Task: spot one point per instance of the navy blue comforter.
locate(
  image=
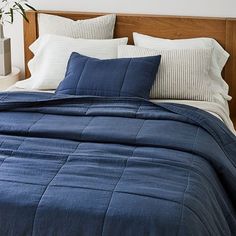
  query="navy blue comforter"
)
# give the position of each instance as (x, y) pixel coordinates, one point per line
(113, 167)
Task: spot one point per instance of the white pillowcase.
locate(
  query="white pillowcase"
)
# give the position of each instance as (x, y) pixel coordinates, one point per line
(96, 28)
(218, 60)
(183, 73)
(51, 55)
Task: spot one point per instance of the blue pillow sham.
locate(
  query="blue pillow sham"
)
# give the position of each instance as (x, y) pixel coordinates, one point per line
(124, 77)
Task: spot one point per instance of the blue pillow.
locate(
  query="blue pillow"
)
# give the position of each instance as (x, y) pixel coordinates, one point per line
(126, 77)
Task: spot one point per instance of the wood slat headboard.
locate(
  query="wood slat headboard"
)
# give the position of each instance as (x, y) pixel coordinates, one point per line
(174, 27)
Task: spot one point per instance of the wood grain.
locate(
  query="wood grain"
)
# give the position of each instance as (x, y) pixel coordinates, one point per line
(230, 70)
(234, 121)
(30, 35)
(173, 27)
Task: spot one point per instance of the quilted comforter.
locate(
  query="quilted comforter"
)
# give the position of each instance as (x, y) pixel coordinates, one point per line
(109, 166)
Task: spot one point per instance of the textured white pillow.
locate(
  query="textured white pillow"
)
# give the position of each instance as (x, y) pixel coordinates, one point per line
(218, 60)
(96, 28)
(183, 73)
(52, 53)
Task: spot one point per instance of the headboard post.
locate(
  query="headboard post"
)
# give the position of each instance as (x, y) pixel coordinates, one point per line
(30, 35)
(230, 69)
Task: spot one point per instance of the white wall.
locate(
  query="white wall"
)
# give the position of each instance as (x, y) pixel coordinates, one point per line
(224, 8)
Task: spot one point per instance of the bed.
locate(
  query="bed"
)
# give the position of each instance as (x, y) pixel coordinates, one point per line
(86, 165)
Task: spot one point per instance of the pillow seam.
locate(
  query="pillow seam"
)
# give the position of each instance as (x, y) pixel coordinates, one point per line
(81, 76)
(127, 68)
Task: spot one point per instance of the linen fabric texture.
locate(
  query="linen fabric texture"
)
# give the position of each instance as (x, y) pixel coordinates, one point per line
(128, 77)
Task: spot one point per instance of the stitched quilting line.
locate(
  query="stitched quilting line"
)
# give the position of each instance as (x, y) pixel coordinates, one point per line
(182, 208)
(138, 109)
(122, 173)
(102, 190)
(127, 68)
(103, 90)
(194, 147)
(199, 122)
(114, 189)
(57, 100)
(3, 98)
(88, 108)
(28, 130)
(47, 186)
(2, 142)
(10, 154)
(187, 186)
(81, 75)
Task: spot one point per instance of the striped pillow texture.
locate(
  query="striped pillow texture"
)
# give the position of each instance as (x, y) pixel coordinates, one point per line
(218, 59)
(183, 73)
(96, 28)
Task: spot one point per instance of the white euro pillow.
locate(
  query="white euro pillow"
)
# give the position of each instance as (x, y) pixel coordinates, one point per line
(183, 73)
(51, 55)
(218, 59)
(95, 28)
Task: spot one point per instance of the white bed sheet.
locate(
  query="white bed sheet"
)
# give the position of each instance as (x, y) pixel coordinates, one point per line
(221, 111)
(18, 89)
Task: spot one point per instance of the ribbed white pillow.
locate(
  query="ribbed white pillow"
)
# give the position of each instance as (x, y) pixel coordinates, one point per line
(52, 52)
(183, 73)
(218, 59)
(96, 28)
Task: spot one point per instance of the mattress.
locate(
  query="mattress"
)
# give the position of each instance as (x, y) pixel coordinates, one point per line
(221, 111)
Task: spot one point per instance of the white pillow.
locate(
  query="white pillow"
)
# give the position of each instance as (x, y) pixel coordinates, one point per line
(96, 28)
(218, 60)
(52, 53)
(183, 73)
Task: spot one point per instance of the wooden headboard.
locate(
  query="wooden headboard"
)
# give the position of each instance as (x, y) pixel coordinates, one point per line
(174, 27)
